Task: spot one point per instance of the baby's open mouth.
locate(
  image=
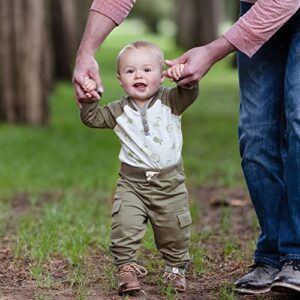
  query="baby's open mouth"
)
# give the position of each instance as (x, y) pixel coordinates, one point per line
(140, 85)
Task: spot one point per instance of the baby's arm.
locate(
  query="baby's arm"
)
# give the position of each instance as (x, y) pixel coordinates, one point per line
(180, 98)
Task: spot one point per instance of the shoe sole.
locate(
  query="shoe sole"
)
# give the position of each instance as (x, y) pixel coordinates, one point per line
(129, 291)
(252, 292)
(283, 287)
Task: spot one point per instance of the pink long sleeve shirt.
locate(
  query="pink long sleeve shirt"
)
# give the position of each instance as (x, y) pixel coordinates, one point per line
(248, 34)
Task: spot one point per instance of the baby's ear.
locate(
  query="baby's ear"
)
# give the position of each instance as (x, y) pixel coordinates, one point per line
(119, 78)
(162, 78)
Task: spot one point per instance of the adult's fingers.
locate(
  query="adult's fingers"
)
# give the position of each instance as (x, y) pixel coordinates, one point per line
(187, 81)
(179, 60)
(78, 82)
(79, 94)
(96, 77)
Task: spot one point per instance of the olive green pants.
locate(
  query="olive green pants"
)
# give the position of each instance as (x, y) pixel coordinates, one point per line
(159, 198)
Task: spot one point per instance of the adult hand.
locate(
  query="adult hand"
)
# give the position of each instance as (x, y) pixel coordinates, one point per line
(86, 66)
(199, 60)
(196, 63)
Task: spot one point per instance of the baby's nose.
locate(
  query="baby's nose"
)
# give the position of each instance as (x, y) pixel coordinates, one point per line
(138, 74)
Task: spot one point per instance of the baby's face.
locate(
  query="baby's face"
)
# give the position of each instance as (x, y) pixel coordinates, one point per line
(140, 73)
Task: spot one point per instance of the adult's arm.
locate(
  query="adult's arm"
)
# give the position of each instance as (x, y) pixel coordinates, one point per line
(260, 23)
(117, 10)
(248, 34)
(103, 17)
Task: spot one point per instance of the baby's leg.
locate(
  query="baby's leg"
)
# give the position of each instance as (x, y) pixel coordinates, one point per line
(129, 221)
(171, 228)
(171, 221)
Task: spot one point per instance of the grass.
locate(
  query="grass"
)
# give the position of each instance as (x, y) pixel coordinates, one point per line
(67, 156)
(78, 167)
(65, 228)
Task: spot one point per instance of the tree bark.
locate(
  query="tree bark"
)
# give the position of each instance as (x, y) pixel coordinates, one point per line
(197, 22)
(25, 61)
(68, 18)
(63, 29)
(38, 42)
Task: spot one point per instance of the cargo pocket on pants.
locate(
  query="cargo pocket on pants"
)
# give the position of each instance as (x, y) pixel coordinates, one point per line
(116, 226)
(116, 207)
(184, 219)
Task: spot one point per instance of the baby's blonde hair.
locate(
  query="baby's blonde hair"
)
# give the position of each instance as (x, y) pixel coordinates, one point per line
(140, 45)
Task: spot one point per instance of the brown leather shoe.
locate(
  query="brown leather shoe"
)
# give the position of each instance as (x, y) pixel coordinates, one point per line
(128, 278)
(175, 280)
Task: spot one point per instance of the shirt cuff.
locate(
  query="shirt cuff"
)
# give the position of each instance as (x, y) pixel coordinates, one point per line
(113, 9)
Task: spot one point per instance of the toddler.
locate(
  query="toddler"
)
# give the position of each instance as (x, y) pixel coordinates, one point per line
(151, 186)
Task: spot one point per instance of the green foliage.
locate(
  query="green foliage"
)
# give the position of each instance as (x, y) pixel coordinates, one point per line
(4, 216)
(226, 293)
(66, 155)
(197, 252)
(151, 13)
(66, 228)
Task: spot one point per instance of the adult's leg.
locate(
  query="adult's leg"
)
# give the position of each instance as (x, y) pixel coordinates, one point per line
(261, 137)
(288, 279)
(289, 238)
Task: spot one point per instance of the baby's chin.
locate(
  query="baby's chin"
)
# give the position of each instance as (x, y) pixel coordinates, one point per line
(141, 97)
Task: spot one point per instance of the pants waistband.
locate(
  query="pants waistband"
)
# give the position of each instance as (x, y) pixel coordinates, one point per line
(147, 174)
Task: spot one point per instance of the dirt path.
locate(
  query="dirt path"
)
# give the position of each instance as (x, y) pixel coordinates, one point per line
(226, 213)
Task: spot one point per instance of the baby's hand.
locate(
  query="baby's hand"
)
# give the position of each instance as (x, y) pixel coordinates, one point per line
(88, 86)
(174, 72)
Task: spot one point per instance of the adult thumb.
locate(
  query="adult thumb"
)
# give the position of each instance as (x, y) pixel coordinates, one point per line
(179, 60)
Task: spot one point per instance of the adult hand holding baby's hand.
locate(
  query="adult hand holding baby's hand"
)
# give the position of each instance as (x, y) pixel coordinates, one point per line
(175, 74)
(196, 63)
(90, 88)
(86, 67)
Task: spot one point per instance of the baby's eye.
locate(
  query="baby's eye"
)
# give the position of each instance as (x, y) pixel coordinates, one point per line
(147, 70)
(129, 71)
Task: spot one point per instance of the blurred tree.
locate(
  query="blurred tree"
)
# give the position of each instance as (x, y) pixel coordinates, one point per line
(30, 59)
(232, 13)
(63, 29)
(68, 18)
(231, 10)
(197, 21)
(25, 58)
(82, 11)
(153, 12)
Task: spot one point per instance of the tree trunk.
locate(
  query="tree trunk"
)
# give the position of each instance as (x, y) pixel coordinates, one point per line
(25, 61)
(197, 22)
(63, 27)
(68, 18)
(82, 11)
